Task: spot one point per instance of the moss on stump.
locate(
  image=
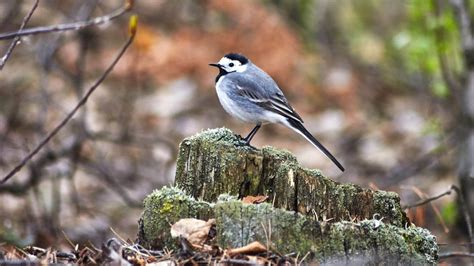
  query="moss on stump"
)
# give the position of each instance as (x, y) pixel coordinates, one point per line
(238, 224)
(334, 222)
(217, 161)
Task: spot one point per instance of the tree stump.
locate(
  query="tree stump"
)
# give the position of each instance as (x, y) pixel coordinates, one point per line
(309, 213)
(217, 161)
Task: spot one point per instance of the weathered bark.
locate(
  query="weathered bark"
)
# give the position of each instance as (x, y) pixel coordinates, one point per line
(334, 222)
(365, 242)
(217, 161)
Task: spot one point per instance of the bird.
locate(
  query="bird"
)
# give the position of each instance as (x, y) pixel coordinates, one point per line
(249, 94)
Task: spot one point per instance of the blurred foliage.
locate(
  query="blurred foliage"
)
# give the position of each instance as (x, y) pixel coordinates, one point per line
(301, 13)
(430, 32)
(449, 213)
(10, 237)
(411, 36)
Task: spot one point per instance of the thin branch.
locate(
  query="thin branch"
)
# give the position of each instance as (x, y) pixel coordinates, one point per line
(69, 26)
(423, 195)
(71, 114)
(16, 40)
(35, 169)
(447, 255)
(462, 203)
(428, 200)
(111, 182)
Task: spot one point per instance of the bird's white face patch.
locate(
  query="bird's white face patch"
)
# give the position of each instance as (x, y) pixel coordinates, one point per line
(232, 65)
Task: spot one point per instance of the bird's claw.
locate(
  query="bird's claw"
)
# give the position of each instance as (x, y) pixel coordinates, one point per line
(244, 143)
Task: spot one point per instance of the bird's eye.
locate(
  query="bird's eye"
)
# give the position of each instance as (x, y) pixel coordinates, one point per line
(231, 64)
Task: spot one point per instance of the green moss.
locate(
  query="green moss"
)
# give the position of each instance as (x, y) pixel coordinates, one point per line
(239, 224)
(215, 165)
(279, 154)
(164, 207)
(387, 204)
(412, 246)
(221, 135)
(216, 161)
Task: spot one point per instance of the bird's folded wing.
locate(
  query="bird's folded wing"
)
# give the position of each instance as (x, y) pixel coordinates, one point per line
(276, 102)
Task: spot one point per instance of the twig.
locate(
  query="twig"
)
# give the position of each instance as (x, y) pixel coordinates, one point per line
(455, 254)
(423, 195)
(113, 184)
(305, 256)
(16, 40)
(462, 203)
(78, 105)
(35, 169)
(428, 200)
(117, 235)
(70, 26)
(69, 240)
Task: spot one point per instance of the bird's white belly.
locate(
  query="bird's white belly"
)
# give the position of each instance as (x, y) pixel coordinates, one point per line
(232, 107)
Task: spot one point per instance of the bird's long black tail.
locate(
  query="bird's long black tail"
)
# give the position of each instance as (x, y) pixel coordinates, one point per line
(299, 128)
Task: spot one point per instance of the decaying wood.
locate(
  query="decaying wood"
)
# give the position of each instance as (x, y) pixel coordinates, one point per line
(239, 224)
(217, 161)
(309, 214)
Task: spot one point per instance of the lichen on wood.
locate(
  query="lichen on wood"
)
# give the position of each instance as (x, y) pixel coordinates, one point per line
(239, 224)
(163, 208)
(310, 214)
(217, 161)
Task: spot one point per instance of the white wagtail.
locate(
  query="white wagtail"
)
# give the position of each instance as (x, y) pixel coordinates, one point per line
(251, 95)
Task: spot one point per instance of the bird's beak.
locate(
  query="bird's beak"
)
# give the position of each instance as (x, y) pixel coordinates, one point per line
(215, 65)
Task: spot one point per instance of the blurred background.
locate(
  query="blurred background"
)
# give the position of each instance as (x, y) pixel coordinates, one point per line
(380, 83)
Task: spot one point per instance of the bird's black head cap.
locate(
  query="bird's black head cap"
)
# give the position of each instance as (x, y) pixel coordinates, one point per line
(234, 56)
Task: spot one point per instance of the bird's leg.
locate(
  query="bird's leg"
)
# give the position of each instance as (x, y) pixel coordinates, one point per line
(252, 133)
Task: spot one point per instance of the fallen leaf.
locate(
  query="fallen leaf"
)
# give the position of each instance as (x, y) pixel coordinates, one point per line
(254, 199)
(252, 248)
(194, 230)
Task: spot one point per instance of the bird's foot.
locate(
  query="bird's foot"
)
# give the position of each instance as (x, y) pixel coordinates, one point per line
(243, 142)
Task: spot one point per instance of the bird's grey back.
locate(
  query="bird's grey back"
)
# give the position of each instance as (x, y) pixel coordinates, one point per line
(257, 80)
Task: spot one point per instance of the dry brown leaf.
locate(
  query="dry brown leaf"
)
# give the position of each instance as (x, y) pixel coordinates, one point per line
(252, 248)
(194, 230)
(254, 199)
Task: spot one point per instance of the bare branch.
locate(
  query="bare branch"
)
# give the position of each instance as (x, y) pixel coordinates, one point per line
(15, 41)
(453, 254)
(428, 200)
(462, 204)
(69, 26)
(463, 207)
(112, 183)
(71, 114)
